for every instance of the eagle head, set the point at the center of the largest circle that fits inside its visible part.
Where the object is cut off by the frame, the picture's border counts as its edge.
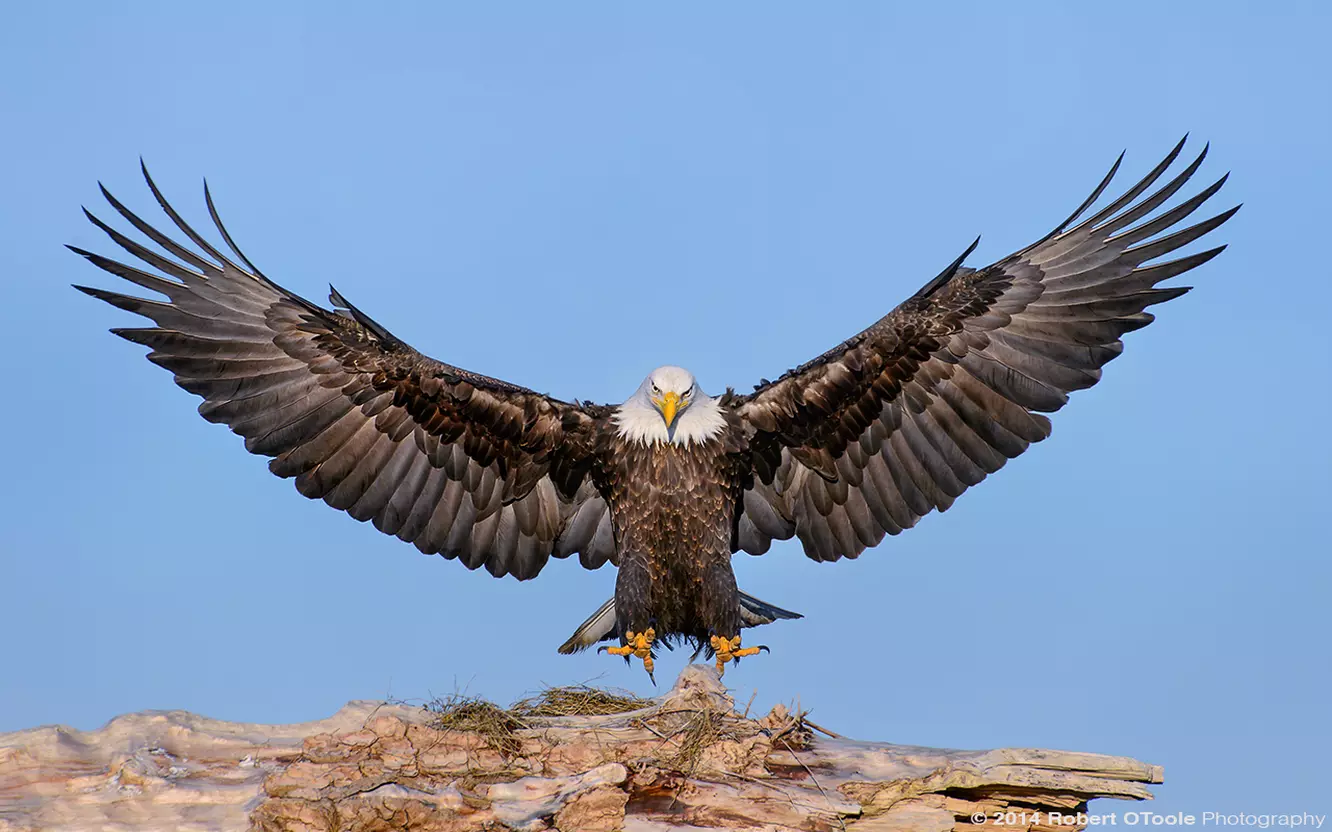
(669, 407)
(670, 390)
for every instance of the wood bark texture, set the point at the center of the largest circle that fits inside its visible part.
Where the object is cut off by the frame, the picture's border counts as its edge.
(687, 760)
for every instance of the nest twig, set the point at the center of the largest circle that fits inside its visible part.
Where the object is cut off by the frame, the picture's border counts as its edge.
(499, 726)
(578, 700)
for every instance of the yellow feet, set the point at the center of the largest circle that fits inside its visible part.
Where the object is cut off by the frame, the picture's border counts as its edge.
(638, 644)
(730, 649)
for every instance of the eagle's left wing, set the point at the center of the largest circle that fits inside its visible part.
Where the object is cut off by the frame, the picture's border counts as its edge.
(454, 462)
(902, 418)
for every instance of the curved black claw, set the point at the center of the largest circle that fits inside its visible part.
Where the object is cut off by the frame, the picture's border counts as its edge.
(762, 648)
(603, 648)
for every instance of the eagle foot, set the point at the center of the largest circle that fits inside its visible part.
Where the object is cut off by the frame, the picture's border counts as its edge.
(636, 644)
(729, 649)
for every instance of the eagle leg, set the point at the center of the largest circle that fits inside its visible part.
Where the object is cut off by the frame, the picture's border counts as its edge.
(729, 649)
(636, 644)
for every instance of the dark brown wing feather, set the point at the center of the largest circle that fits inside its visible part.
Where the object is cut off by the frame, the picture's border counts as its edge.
(456, 463)
(901, 419)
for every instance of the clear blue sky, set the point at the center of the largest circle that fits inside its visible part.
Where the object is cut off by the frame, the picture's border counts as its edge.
(526, 190)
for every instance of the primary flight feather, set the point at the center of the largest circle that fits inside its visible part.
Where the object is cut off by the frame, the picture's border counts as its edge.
(861, 442)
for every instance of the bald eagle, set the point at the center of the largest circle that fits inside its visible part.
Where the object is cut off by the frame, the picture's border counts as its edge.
(858, 443)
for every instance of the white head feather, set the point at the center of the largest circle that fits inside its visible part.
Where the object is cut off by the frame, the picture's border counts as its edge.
(641, 417)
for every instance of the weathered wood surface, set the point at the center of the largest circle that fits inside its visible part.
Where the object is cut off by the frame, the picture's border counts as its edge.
(688, 761)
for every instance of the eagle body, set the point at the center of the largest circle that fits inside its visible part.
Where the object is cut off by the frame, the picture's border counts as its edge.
(673, 511)
(892, 424)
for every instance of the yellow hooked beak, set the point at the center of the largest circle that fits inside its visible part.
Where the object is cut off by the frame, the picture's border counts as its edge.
(670, 405)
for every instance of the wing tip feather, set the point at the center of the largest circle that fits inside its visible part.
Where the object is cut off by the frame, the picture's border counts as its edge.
(944, 276)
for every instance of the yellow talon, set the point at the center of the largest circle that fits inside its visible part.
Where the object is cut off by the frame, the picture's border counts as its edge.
(728, 650)
(639, 645)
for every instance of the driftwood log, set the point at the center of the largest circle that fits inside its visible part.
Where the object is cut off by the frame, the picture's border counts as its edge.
(687, 760)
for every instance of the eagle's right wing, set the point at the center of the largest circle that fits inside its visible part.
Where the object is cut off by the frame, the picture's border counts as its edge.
(902, 418)
(456, 463)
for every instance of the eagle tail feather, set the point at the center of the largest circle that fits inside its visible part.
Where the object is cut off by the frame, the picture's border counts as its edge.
(602, 625)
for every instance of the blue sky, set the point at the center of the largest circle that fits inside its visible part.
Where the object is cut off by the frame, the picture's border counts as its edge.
(567, 195)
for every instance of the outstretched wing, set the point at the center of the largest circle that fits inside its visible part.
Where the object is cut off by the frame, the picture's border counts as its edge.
(901, 419)
(456, 463)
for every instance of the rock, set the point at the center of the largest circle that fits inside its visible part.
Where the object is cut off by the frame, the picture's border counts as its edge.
(685, 760)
